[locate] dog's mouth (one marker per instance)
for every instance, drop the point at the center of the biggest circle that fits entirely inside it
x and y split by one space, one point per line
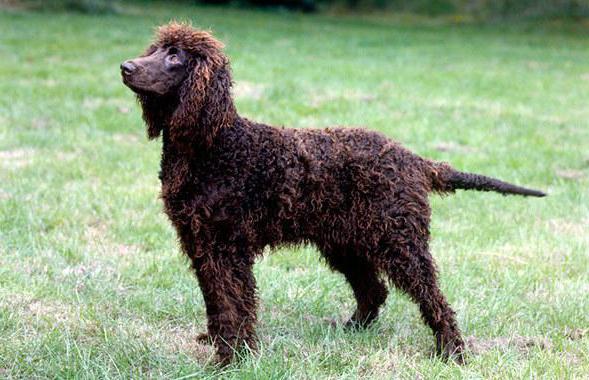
137 88
130 84
128 81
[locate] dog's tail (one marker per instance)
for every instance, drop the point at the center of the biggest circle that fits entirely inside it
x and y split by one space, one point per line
445 179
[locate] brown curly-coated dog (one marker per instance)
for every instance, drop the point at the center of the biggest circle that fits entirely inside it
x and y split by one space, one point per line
232 186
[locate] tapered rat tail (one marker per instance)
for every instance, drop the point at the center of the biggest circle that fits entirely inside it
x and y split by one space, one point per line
446 179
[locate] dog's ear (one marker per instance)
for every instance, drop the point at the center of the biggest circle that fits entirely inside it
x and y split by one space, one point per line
184 121
205 104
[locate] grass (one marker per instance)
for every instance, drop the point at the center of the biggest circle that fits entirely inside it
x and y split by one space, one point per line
92 283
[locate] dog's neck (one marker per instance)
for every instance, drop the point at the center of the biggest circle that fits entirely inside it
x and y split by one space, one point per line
194 143
194 137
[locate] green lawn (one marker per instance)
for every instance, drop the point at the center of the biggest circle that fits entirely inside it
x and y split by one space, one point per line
92 283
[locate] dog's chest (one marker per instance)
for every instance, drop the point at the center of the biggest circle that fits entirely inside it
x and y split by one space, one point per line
191 193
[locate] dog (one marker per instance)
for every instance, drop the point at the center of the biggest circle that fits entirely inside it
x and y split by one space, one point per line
232 187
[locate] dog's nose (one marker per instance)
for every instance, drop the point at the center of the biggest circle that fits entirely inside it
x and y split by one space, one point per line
128 67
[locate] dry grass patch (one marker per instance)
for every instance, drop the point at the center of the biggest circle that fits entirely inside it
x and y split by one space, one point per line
127 138
173 339
327 96
570 174
248 90
41 123
491 108
452 146
576 333
511 254
66 156
521 344
98 239
119 104
96 233
30 308
16 158
568 227
377 365
4 195
181 339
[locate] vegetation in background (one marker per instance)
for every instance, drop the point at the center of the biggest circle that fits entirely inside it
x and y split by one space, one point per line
92 283
482 9
477 9
80 6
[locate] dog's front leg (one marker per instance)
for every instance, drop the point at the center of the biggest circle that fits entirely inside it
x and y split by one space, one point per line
228 287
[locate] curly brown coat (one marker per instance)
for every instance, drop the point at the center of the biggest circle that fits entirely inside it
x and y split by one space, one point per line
232 187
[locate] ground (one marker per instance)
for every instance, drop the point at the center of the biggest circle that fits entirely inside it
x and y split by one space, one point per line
92 283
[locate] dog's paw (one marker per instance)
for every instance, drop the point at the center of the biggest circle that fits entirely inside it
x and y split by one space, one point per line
204 338
356 323
353 325
455 351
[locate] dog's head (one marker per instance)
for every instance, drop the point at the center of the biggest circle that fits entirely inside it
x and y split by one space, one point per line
183 82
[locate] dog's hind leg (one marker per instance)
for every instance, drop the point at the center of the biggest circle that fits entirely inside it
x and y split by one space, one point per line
370 291
411 269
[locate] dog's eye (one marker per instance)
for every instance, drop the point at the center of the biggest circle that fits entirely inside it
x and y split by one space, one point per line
173 59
